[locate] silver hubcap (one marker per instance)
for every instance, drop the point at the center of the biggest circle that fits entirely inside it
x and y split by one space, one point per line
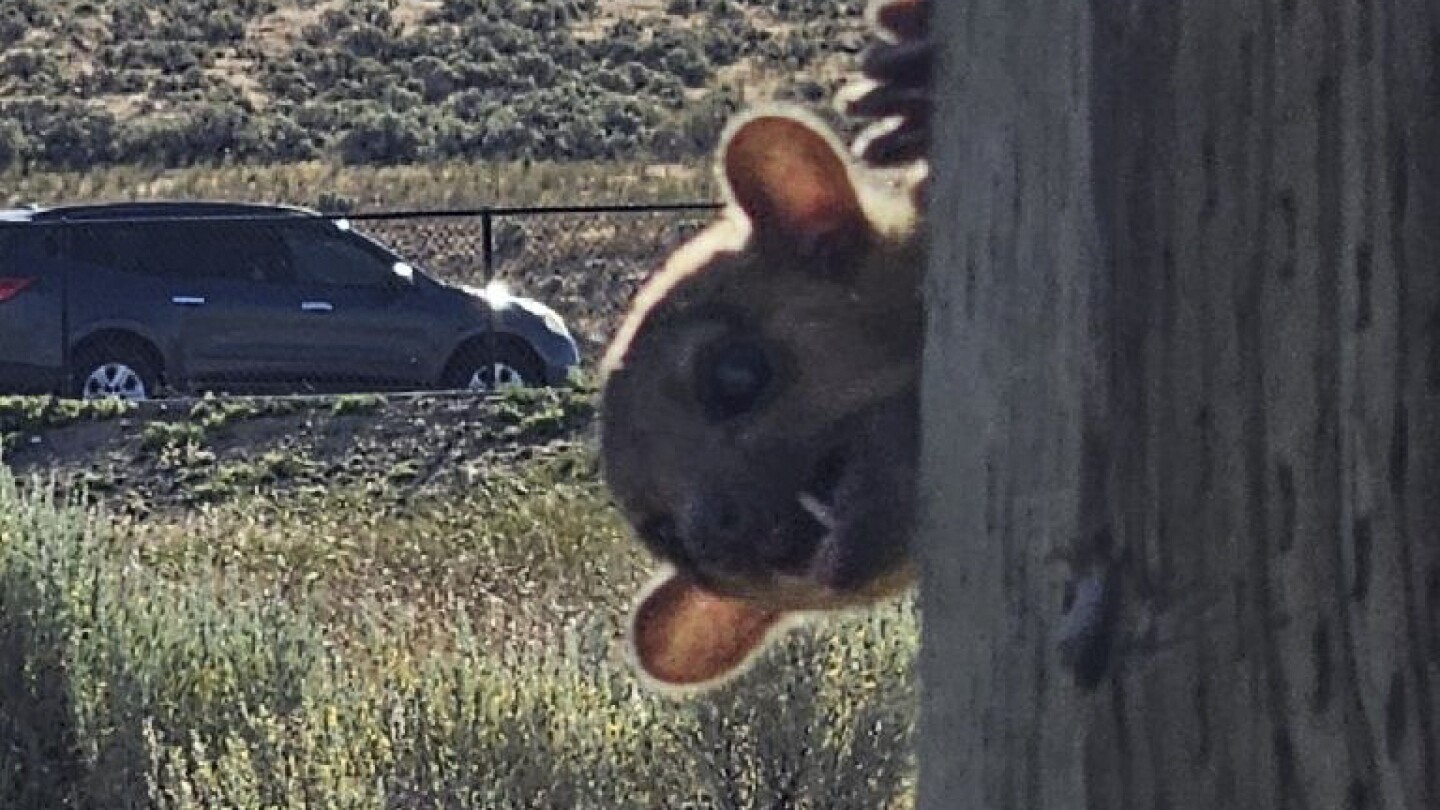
495 377
114 380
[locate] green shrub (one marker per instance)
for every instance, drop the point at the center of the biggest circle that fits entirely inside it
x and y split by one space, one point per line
209 129
385 138
36 413
13 146
366 41
125 682
13 26
222 27
688 64
66 134
160 436
276 138
522 54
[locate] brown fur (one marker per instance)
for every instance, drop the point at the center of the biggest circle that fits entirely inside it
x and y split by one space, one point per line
804 299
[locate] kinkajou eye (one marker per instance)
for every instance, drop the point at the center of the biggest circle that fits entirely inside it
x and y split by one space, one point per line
660 533
732 378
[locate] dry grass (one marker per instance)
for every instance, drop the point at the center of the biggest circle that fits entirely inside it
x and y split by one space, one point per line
439 185
461 650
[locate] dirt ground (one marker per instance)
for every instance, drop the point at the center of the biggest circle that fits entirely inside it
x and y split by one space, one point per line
177 454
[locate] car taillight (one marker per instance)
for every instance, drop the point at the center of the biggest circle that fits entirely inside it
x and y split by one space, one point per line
12 286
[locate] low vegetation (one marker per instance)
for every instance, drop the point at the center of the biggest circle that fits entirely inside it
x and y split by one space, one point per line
372 644
19 413
176 82
334 188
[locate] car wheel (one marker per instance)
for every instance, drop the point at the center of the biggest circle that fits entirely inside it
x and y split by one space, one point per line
484 371
119 373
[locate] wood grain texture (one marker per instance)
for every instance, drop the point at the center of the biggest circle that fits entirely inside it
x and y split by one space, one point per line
1184 341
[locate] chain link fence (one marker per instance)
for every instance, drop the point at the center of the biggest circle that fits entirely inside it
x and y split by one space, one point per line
146 300
586 262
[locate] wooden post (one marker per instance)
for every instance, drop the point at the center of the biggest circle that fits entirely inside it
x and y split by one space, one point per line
1181 532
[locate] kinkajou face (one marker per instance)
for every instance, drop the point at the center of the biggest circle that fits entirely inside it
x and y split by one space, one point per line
759 413
760 409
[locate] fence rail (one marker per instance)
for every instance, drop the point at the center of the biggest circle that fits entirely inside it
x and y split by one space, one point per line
584 262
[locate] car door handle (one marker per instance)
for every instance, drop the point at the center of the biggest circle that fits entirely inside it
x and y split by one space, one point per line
316 306
188 300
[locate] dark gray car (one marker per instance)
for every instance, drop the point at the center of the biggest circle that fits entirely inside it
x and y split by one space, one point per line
122 299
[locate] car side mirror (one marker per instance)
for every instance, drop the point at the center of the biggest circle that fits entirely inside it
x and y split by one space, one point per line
404 275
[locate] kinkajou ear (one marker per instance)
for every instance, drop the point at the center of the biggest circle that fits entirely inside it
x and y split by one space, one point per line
685 638
792 180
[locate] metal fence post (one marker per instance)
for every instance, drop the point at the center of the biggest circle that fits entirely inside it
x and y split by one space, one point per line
487 237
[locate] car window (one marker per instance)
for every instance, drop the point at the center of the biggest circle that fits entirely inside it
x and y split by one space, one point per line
323 254
23 250
232 251
9 250
166 250
248 251
92 244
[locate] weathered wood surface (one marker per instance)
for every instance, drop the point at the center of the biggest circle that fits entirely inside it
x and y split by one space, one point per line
1184 329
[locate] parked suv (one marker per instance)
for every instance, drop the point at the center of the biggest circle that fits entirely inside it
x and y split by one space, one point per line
122 299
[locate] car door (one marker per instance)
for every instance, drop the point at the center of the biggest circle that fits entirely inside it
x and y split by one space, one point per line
356 321
240 268
211 288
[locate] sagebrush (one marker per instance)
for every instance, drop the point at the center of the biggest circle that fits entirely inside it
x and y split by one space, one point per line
335 649
85 83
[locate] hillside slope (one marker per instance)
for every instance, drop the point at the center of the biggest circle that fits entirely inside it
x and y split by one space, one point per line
176 82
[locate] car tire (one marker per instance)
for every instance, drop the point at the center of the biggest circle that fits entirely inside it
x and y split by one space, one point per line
123 372
478 366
